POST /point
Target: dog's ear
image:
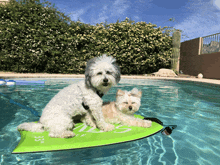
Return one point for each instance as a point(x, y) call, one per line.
point(139, 94)
point(136, 93)
point(120, 92)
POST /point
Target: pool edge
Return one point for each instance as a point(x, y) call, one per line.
point(5, 75)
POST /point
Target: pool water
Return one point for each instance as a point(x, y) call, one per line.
point(193, 107)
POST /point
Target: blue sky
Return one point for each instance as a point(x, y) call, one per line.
point(197, 18)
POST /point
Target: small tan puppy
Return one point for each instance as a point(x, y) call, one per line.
point(122, 111)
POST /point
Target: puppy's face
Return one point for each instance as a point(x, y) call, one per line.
point(128, 102)
point(103, 77)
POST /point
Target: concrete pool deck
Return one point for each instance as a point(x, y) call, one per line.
point(11, 75)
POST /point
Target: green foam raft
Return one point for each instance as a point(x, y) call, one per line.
point(85, 137)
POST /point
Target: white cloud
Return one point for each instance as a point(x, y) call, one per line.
point(119, 7)
point(196, 26)
point(102, 16)
point(115, 9)
point(136, 18)
point(102, 11)
point(216, 3)
point(77, 14)
point(204, 21)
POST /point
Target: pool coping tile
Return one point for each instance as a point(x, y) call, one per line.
point(9, 75)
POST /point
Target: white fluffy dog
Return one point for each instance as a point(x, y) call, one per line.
point(81, 100)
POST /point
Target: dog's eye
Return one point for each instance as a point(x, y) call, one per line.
point(126, 102)
point(99, 73)
point(108, 72)
point(133, 102)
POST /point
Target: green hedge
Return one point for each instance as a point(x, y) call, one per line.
point(39, 39)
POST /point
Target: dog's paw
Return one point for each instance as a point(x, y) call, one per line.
point(64, 134)
point(106, 127)
point(146, 123)
point(90, 123)
point(22, 127)
point(33, 127)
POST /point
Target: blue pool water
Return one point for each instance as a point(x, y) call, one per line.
point(193, 107)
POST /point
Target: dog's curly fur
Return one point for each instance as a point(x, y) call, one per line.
point(82, 100)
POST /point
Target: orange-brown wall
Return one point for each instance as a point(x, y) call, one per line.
point(192, 63)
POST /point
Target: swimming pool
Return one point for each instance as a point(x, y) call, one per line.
point(193, 107)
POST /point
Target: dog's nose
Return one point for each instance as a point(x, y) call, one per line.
point(105, 80)
point(130, 107)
